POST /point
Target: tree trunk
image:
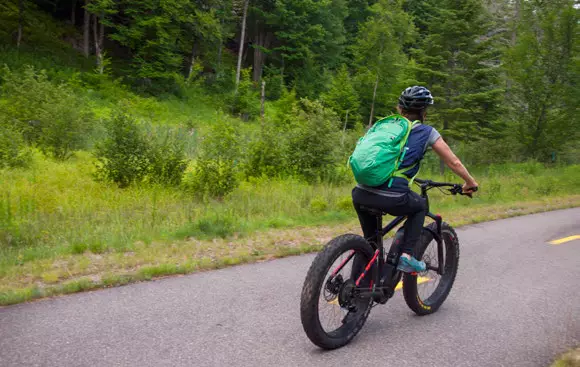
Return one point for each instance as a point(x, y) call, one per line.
point(73, 13)
point(192, 63)
point(517, 6)
point(242, 40)
point(262, 40)
point(98, 49)
point(373, 103)
point(344, 128)
point(262, 102)
point(20, 21)
point(102, 32)
point(86, 30)
point(514, 36)
point(539, 129)
point(219, 58)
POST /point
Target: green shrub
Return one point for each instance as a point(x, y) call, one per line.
point(168, 161)
point(124, 157)
point(267, 155)
point(318, 204)
point(13, 152)
point(212, 177)
point(313, 141)
point(245, 102)
point(129, 156)
point(215, 171)
point(345, 204)
point(51, 116)
point(66, 126)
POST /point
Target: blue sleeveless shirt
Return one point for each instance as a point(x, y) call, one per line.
point(420, 139)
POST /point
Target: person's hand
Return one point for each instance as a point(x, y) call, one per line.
point(468, 187)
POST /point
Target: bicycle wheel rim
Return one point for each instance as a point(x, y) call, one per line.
point(431, 286)
point(334, 319)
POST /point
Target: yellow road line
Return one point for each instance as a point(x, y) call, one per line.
point(565, 239)
point(334, 302)
point(419, 281)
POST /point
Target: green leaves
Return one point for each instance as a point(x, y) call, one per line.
point(128, 156)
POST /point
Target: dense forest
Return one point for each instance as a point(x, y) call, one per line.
point(504, 73)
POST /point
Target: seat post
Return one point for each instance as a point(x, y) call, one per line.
point(379, 230)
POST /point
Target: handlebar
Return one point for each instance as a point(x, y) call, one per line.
point(454, 190)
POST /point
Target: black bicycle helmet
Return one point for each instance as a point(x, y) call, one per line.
point(415, 98)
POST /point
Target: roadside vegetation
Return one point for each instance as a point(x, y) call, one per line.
point(130, 155)
point(568, 359)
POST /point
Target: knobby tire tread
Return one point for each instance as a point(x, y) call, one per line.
point(410, 281)
point(312, 288)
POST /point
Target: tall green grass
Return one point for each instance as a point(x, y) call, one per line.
point(56, 208)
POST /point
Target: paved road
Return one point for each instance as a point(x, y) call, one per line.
point(516, 302)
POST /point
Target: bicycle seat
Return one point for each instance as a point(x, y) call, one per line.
point(373, 211)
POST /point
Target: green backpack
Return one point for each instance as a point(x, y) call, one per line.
point(379, 153)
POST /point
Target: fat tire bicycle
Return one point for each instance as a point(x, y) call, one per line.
point(329, 289)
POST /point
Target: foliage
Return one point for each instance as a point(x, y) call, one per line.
point(493, 67)
point(342, 98)
point(313, 140)
point(544, 71)
point(215, 172)
point(127, 156)
point(49, 115)
point(458, 61)
point(245, 101)
point(13, 152)
point(168, 162)
point(267, 155)
point(379, 56)
point(124, 157)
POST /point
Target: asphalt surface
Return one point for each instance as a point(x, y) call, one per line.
point(516, 302)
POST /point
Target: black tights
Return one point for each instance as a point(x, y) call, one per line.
point(409, 204)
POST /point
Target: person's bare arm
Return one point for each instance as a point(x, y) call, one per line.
point(450, 159)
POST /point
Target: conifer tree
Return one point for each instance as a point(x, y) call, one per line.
point(342, 98)
point(543, 66)
point(459, 62)
point(380, 58)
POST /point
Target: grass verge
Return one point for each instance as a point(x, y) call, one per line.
point(87, 270)
point(568, 359)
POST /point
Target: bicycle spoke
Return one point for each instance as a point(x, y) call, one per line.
point(331, 313)
point(428, 288)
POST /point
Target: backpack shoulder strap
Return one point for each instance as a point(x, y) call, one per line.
point(404, 148)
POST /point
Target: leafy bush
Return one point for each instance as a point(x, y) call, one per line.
point(212, 177)
point(127, 156)
point(245, 102)
point(345, 204)
point(13, 152)
point(49, 115)
point(216, 169)
point(267, 155)
point(318, 205)
point(313, 141)
point(168, 161)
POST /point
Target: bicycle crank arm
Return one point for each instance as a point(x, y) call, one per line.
point(378, 294)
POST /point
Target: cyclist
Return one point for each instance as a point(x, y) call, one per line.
point(396, 197)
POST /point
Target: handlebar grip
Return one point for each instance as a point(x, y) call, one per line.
point(470, 194)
